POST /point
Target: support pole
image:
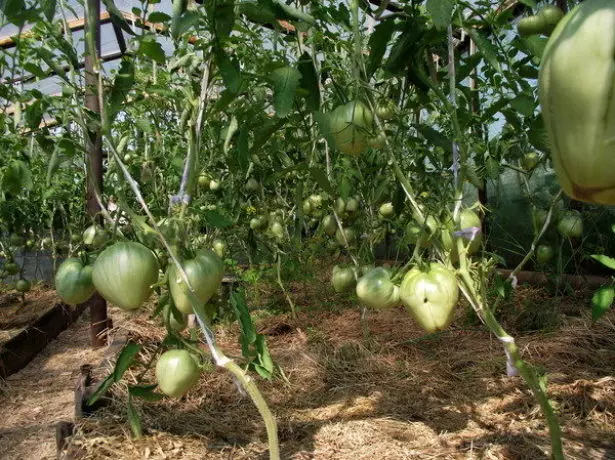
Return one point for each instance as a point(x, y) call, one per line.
point(99, 321)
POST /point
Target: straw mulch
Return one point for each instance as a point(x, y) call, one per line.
point(395, 394)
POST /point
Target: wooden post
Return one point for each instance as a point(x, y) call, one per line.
point(98, 305)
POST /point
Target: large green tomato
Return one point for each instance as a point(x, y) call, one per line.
point(430, 296)
point(544, 254)
point(570, 225)
point(551, 15)
point(350, 126)
point(531, 25)
point(11, 268)
point(376, 290)
point(577, 95)
point(343, 278)
point(205, 274)
point(124, 274)
point(73, 281)
point(176, 372)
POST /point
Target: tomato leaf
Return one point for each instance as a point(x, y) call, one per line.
point(49, 8)
point(309, 81)
point(524, 104)
point(247, 336)
point(604, 260)
point(152, 49)
point(145, 392)
point(378, 42)
point(17, 178)
point(215, 219)
point(101, 390)
point(229, 70)
point(436, 138)
point(486, 48)
point(133, 419)
point(125, 359)
point(321, 179)
point(230, 132)
point(158, 17)
point(602, 301)
point(117, 18)
point(285, 81)
point(124, 80)
point(441, 12)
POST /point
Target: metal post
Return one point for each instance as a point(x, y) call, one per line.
point(98, 306)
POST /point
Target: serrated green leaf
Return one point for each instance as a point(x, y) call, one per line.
point(605, 260)
point(285, 81)
point(486, 48)
point(158, 17)
point(524, 104)
point(441, 12)
point(124, 80)
point(602, 301)
point(434, 137)
point(153, 50)
point(215, 219)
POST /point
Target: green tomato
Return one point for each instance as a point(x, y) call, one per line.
point(11, 268)
point(551, 15)
point(95, 236)
point(259, 223)
point(378, 142)
point(219, 248)
point(277, 230)
point(539, 217)
point(430, 296)
point(531, 25)
point(306, 207)
point(530, 161)
point(386, 110)
point(576, 84)
point(386, 210)
point(214, 185)
point(343, 278)
point(570, 225)
point(22, 286)
point(46, 242)
point(376, 290)
point(75, 238)
point(176, 372)
point(17, 241)
point(544, 254)
point(204, 181)
point(124, 274)
point(205, 274)
point(339, 206)
point(352, 205)
point(350, 237)
point(73, 281)
point(413, 233)
point(350, 125)
point(469, 219)
point(329, 224)
point(175, 321)
point(252, 185)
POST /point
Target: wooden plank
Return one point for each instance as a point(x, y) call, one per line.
point(76, 24)
point(19, 351)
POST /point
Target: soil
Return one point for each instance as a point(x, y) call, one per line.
point(394, 394)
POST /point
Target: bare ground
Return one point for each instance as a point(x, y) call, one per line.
point(396, 395)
